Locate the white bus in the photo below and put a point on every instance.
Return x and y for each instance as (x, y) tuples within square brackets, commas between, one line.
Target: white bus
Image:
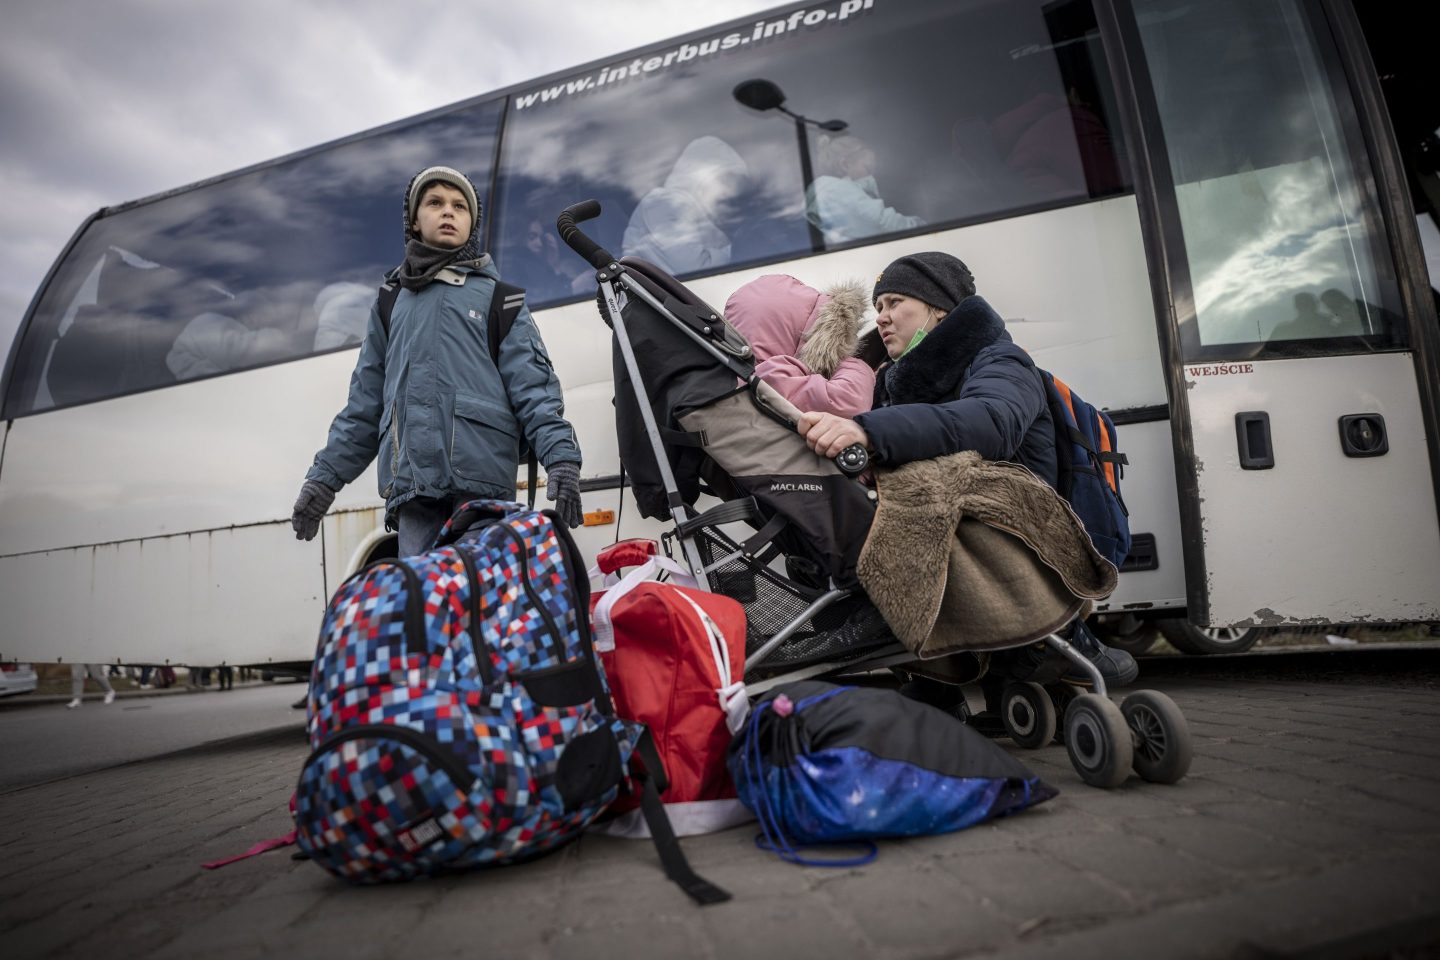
[(1195, 211)]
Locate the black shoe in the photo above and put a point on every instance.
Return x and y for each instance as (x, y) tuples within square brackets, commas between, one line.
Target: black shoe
[(1041, 663), (1035, 663), (1116, 666), (943, 696)]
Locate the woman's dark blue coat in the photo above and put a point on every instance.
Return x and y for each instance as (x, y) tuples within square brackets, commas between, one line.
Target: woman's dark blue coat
[(966, 386)]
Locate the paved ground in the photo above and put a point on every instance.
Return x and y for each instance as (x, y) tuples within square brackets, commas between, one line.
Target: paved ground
[(1309, 827), (43, 740)]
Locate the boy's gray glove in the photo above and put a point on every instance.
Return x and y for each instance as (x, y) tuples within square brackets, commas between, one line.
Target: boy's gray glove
[(563, 486), (315, 498)]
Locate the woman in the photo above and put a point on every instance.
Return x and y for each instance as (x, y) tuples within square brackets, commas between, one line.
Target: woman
[(955, 381)]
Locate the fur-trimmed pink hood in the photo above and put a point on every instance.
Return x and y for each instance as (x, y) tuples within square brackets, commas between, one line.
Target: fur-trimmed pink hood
[(805, 341), (782, 317)]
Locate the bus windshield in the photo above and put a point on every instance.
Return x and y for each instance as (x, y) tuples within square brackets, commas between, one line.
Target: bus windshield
[(1000, 108)]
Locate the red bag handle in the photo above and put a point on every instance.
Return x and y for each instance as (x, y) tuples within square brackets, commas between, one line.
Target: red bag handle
[(626, 553)]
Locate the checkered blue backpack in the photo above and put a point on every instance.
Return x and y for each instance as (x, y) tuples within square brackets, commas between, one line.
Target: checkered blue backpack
[(458, 716)]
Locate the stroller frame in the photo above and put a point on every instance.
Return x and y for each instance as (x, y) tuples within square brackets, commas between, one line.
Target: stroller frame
[(613, 278), (1101, 741), (611, 281)]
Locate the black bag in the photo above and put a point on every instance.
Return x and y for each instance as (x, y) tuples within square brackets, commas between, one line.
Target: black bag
[(820, 763)]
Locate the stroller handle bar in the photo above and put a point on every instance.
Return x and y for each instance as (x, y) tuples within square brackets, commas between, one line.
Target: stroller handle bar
[(594, 254)]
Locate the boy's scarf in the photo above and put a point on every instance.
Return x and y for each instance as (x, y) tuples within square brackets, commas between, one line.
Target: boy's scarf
[(423, 261)]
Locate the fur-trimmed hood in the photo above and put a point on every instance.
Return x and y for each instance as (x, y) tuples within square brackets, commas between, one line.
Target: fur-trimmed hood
[(782, 317)]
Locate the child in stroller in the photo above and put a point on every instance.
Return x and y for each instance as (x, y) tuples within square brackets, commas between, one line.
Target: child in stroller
[(692, 417)]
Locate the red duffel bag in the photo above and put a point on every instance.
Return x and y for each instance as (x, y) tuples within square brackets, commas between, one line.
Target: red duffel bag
[(674, 656)]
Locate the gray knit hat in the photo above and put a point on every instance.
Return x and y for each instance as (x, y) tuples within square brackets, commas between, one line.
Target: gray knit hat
[(932, 277), (447, 175)]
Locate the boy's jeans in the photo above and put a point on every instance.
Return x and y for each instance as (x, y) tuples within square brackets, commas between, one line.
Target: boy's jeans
[(420, 521)]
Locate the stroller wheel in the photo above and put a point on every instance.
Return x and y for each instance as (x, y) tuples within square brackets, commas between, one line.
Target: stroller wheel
[(1061, 694), (1028, 714), (1161, 736), (1098, 741)]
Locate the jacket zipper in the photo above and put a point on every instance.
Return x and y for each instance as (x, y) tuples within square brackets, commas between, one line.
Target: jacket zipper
[(461, 775)]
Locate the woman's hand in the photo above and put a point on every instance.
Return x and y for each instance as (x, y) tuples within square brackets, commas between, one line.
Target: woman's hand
[(828, 434)]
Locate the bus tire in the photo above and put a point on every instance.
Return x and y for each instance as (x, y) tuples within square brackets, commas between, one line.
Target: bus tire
[(1188, 638)]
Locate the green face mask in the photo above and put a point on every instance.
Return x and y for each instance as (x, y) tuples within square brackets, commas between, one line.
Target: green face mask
[(914, 342)]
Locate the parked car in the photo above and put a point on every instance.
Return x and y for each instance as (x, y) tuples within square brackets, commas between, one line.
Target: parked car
[(16, 678)]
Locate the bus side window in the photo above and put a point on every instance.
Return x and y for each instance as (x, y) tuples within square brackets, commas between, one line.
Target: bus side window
[(680, 225), (998, 109), (257, 327), (117, 344), (342, 311)]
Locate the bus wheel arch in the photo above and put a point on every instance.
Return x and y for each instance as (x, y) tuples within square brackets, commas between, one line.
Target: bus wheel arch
[(378, 544), (1188, 638)]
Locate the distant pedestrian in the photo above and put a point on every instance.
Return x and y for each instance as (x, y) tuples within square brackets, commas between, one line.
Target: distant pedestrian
[(226, 677), (77, 682)]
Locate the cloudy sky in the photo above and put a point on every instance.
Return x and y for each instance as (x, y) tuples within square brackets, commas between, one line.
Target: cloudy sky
[(104, 102)]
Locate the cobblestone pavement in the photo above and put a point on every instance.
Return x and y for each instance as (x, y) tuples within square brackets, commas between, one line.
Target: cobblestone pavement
[(1309, 827)]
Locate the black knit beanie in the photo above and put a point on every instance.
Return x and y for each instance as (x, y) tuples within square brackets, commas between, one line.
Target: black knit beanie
[(932, 277)]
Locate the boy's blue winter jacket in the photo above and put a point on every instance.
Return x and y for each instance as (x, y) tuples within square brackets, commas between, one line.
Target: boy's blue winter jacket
[(429, 403)]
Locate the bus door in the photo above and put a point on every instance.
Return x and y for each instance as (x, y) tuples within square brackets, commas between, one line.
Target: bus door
[(1293, 308)]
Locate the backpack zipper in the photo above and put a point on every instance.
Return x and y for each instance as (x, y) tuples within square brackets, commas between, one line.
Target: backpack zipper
[(461, 775), (415, 639), (558, 644), (477, 637)]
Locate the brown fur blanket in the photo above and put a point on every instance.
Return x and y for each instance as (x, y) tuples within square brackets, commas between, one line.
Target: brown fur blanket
[(972, 554)]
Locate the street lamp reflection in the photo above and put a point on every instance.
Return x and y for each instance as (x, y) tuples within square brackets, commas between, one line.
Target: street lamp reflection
[(764, 95)]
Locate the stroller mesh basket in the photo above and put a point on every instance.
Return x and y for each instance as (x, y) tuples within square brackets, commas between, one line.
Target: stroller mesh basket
[(844, 630)]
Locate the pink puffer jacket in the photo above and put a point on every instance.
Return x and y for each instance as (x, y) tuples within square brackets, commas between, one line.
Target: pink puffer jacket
[(805, 341)]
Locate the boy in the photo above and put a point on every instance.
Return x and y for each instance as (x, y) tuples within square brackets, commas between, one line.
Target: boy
[(426, 395)]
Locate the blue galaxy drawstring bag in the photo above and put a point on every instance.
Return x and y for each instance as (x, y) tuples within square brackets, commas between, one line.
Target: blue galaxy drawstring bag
[(820, 763)]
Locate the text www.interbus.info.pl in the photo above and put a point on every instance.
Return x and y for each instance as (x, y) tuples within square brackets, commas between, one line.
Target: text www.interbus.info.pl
[(686, 52)]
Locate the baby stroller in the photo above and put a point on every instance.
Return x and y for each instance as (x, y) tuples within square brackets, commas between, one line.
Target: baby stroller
[(692, 417)]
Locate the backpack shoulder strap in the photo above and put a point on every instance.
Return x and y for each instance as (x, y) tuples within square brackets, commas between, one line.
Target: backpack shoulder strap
[(1063, 399), (505, 303), (387, 295)]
